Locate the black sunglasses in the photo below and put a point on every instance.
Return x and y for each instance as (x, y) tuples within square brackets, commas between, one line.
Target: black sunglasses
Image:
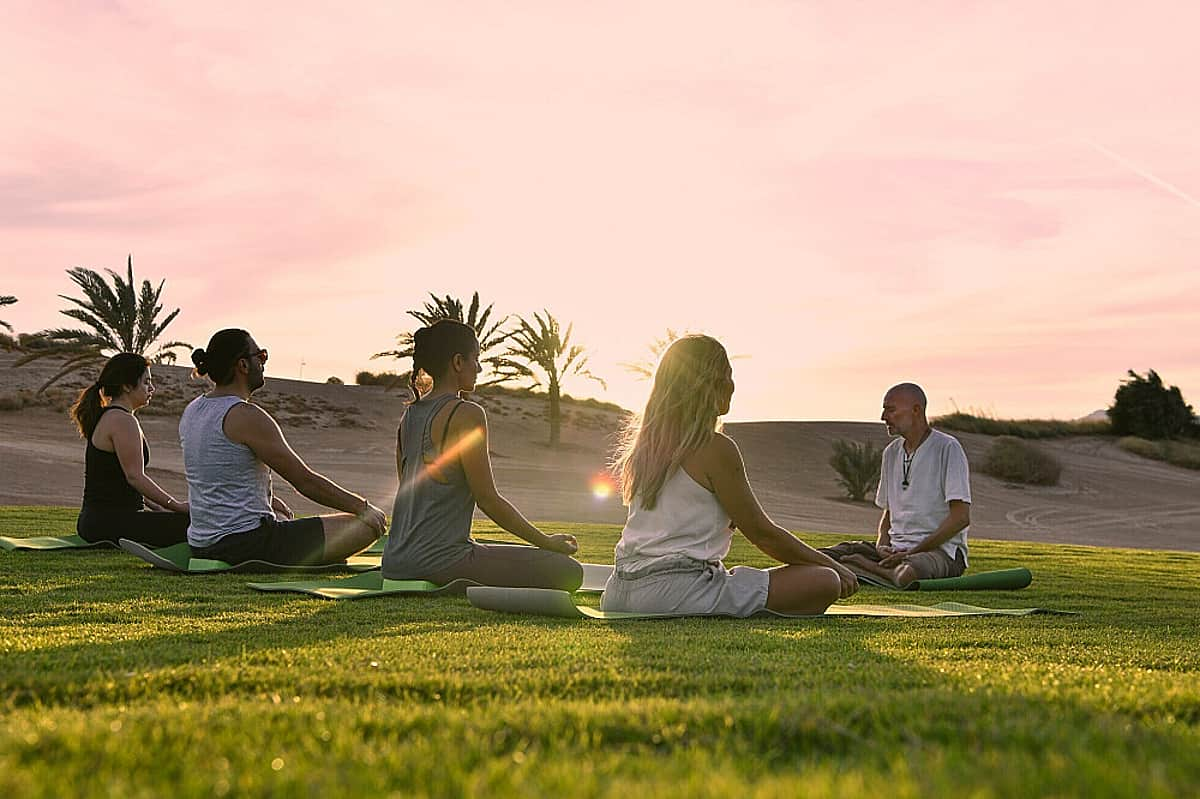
[(261, 355)]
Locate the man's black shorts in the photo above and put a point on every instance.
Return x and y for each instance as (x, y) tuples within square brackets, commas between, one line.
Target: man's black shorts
[(296, 543)]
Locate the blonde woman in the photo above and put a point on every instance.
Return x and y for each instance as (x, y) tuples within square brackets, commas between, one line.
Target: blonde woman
[(685, 485)]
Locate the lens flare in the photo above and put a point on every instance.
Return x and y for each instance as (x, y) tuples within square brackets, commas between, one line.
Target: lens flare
[(602, 486)]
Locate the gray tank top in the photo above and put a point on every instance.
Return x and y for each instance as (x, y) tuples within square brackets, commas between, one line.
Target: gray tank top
[(431, 521), (229, 488)]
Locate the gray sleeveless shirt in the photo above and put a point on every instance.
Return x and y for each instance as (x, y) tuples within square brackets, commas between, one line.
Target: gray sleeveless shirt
[(431, 521), (229, 488)]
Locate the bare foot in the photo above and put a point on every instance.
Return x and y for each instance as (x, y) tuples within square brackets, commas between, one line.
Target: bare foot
[(873, 569)]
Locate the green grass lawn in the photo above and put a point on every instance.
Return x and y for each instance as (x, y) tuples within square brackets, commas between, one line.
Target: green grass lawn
[(119, 680)]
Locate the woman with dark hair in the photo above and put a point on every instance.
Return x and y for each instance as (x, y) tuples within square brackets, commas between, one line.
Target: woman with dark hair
[(445, 470), (230, 446), (116, 488), (686, 488)]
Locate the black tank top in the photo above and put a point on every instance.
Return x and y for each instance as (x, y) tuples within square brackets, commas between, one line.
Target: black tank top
[(104, 483)]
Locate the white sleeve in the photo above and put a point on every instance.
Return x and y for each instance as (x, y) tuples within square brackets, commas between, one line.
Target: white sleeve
[(957, 480), (881, 493)]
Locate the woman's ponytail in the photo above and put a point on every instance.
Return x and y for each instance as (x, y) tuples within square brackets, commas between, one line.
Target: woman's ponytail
[(435, 346), (418, 357), (86, 410)]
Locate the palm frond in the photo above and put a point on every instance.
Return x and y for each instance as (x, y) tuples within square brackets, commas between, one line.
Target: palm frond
[(118, 318), (74, 364), (6, 299)]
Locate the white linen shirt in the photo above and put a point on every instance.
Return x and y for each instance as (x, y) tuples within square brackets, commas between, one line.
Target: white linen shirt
[(937, 474)]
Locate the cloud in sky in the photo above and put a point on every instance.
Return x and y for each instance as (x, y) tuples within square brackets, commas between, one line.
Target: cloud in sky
[(941, 191)]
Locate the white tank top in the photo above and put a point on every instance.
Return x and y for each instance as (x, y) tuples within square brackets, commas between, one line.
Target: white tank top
[(687, 520), (229, 488)]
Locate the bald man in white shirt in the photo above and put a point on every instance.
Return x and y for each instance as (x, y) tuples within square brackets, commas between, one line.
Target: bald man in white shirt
[(925, 493)]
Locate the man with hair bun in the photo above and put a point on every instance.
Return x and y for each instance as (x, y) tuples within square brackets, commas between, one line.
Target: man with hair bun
[(230, 447), (925, 493)]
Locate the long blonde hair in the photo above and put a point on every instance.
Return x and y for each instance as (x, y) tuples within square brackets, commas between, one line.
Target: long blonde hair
[(681, 416)]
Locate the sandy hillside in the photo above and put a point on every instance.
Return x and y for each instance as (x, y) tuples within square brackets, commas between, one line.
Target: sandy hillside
[(1106, 496)]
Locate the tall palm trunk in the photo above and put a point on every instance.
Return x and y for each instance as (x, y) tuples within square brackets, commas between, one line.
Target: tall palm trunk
[(555, 413)]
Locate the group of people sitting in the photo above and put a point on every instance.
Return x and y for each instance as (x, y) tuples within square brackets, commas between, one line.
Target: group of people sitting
[(683, 480)]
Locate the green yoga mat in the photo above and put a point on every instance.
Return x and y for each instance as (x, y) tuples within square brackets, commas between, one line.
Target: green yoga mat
[(362, 586), (178, 558), (372, 584), (45, 543), (1002, 580), (546, 602)]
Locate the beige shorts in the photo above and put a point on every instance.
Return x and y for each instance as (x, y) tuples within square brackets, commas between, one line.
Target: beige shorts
[(688, 586), (928, 565)]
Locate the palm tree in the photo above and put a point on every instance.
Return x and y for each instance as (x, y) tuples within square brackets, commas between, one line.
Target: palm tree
[(448, 307), (545, 348), (7, 341), (644, 370), (118, 319)]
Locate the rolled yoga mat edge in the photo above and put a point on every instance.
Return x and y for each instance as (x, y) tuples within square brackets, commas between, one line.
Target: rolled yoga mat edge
[(999, 580)]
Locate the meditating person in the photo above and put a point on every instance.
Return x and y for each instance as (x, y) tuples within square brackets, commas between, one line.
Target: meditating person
[(445, 470), (230, 447), (119, 499), (925, 493), (684, 483)]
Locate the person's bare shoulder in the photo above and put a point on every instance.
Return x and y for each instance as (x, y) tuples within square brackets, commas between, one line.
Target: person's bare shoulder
[(720, 452), (246, 418), (472, 413)]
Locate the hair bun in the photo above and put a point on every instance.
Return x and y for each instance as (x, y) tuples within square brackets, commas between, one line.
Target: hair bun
[(200, 358)]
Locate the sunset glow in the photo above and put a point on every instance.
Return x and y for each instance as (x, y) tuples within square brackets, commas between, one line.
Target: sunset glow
[(603, 486), (995, 200)]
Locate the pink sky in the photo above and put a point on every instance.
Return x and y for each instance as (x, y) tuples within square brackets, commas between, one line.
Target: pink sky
[(999, 202)]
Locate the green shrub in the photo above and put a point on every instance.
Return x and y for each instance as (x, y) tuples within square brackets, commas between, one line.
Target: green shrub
[(1020, 428), (857, 465), (385, 379), (1178, 453), (1146, 408), (334, 381), (1018, 461)]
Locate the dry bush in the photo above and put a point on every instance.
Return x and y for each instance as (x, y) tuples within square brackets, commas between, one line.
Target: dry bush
[(857, 466), (11, 401), (1017, 461), (28, 398), (1179, 453), (1020, 428)]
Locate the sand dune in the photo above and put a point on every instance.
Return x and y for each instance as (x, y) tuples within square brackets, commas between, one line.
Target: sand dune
[(1106, 497)]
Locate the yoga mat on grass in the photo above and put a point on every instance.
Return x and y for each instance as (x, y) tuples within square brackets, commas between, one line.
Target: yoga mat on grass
[(178, 558), (372, 584), (362, 586), (43, 543), (546, 602), (1002, 580)]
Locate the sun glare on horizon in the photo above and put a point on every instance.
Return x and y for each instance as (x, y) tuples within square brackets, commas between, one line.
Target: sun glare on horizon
[(603, 486)]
